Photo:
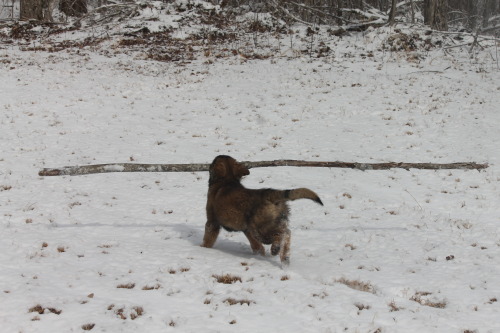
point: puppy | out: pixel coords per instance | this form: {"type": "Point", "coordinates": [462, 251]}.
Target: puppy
{"type": "Point", "coordinates": [261, 214]}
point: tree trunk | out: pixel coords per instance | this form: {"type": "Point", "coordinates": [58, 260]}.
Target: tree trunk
{"type": "Point", "coordinates": [435, 14]}
{"type": "Point", "coordinates": [412, 9]}
{"type": "Point", "coordinates": [392, 14]}
{"type": "Point", "coordinates": [36, 10]}
{"type": "Point", "coordinates": [31, 9]}
{"type": "Point", "coordinates": [195, 167]}
{"type": "Point", "coordinates": [75, 8]}
{"type": "Point", "coordinates": [481, 14]}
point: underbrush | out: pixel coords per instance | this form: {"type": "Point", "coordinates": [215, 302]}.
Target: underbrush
{"type": "Point", "coordinates": [176, 33]}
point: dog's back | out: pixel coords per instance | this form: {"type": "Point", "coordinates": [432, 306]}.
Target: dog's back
{"type": "Point", "coordinates": [238, 208]}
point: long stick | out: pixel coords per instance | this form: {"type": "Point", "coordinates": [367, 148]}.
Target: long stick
{"type": "Point", "coordinates": [195, 167]}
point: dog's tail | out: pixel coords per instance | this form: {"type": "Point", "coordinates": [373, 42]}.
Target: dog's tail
{"type": "Point", "coordinates": [289, 195]}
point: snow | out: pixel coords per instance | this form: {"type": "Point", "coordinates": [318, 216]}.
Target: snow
{"type": "Point", "coordinates": [391, 251]}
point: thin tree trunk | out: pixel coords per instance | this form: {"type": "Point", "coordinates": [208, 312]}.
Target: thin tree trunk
{"type": "Point", "coordinates": [195, 167]}
{"type": "Point", "coordinates": [481, 15]}
{"type": "Point", "coordinates": [392, 14]}
{"type": "Point", "coordinates": [412, 10]}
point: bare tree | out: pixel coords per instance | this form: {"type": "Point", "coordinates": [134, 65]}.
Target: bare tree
{"type": "Point", "coordinates": [435, 14]}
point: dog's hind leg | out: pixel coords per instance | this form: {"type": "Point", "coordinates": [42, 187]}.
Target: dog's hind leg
{"type": "Point", "coordinates": [257, 246]}
{"type": "Point", "coordinates": [211, 233]}
{"type": "Point", "coordinates": [285, 247]}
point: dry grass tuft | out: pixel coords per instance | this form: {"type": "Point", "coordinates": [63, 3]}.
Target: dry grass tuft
{"type": "Point", "coordinates": [41, 310]}
{"type": "Point", "coordinates": [37, 308]}
{"type": "Point", "coordinates": [126, 286]}
{"type": "Point", "coordinates": [137, 312]}
{"type": "Point", "coordinates": [55, 311]}
{"type": "Point", "coordinates": [88, 327]}
{"type": "Point", "coordinates": [134, 313]}
{"type": "Point", "coordinates": [357, 285]}
{"type": "Point", "coordinates": [227, 278]}
{"type": "Point", "coordinates": [5, 188]}
{"type": "Point", "coordinates": [393, 307]}
{"type": "Point", "coordinates": [149, 287]}
{"type": "Point", "coordinates": [120, 313]}
{"type": "Point", "coordinates": [350, 246]}
{"type": "Point", "coordinates": [285, 278]}
{"type": "Point", "coordinates": [362, 307]}
{"type": "Point", "coordinates": [320, 295]}
{"type": "Point", "coordinates": [232, 301]}
{"type": "Point", "coordinates": [419, 298]}
{"type": "Point", "coordinates": [73, 204]}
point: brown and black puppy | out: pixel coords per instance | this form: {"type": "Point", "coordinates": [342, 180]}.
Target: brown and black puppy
{"type": "Point", "coordinates": [261, 214]}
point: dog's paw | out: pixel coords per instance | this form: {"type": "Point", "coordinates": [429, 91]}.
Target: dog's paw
{"type": "Point", "coordinates": [261, 251]}
{"type": "Point", "coordinates": [285, 262]}
{"type": "Point", "coordinates": [275, 249]}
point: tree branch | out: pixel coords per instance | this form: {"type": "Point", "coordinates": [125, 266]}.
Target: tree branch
{"type": "Point", "coordinates": [196, 167]}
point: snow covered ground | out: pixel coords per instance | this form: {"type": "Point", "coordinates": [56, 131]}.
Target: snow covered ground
{"type": "Point", "coordinates": [391, 251]}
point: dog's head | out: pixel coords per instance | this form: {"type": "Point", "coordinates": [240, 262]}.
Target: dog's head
{"type": "Point", "coordinates": [225, 168]}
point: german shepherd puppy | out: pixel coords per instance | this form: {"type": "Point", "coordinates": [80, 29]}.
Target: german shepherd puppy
{"type": "Point", "coordinates": [261, 214]}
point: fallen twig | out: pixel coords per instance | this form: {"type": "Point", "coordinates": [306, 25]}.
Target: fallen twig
{"type": "Point", "coordinates": [196, 167]}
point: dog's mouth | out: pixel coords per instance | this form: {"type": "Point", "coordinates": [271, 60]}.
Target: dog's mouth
{"type": "Point", "coordinates": [243, 170]}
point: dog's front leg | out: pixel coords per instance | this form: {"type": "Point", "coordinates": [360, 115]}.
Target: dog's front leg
{"type": "Point", "coordinates": [257, 246]}
{"type": "Point", "coordinates": [211, 233]}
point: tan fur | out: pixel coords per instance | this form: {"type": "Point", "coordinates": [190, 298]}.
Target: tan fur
{"type": "Point", "coordinates": [261, 214]}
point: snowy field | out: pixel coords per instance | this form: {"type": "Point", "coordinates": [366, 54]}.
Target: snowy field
{"type": "Point", "coordinates": [391, 251]}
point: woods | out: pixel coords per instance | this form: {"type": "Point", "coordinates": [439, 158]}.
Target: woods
{"type": "Point", "coordinates": [481, 15]}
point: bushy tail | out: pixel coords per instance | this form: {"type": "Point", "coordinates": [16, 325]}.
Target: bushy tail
{"type": "Point", "coordinates": [289, 195]}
